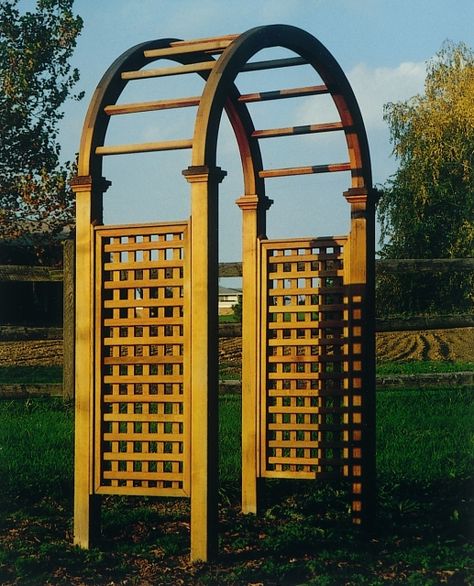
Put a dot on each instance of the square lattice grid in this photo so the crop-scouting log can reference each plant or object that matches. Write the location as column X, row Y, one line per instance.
column 303, row 358
column 141, row 395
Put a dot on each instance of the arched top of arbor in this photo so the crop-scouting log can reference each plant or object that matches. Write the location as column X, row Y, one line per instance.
column 219, row 61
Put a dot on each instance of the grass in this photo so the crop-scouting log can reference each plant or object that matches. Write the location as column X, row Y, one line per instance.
column 30, row 374
column 53, row 374
column 423, row 367
column 303, row 536
column 228, row 319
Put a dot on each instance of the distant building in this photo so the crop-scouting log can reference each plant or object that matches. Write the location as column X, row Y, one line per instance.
column 227, row 299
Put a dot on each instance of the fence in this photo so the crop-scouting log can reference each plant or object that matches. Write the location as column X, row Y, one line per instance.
column 15, row 273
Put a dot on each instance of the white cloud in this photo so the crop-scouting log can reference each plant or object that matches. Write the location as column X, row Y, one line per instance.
column 374, row 87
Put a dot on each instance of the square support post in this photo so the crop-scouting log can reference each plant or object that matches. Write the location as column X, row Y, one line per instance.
column 253, row 214
column 86, row 504
column 359, row 278
column 204, row 359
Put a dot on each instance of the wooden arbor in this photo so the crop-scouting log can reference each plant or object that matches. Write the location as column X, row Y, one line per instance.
column 146, row 358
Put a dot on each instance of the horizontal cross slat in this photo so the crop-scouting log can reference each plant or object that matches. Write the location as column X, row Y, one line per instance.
column 211, row 46
column 132, row 246
column 165, row 71
column 147, row 321
column 166, row 476
column 297, row 92
column 137, row 107
column 302, row 475
column 144, row 491
column 137, row 283
column 144, row 418
column 156, row 437
column 145, row 147
column 162, row 378
column 158, row 398
column 274, row 64
column 144, row 340
column 152, row 359
column 298, row 130
column 297, row 308
column 229, row 37
column 144, row 456
column 137, row 303
column 307, row 170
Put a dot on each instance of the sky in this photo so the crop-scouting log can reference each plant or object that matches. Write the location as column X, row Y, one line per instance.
column 382, row 46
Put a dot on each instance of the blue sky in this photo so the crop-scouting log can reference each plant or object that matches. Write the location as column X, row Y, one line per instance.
column 382, row 45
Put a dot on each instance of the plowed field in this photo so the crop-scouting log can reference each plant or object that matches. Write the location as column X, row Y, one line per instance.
column 454, row 344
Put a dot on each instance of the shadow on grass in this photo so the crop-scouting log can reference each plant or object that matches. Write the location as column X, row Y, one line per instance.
column 303, row 536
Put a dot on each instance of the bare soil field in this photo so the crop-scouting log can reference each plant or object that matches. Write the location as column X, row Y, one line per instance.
column 454, row 345
column 31, row 353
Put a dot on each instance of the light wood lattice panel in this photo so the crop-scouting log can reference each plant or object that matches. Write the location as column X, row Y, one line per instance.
column 142, row 399
column 303, row 357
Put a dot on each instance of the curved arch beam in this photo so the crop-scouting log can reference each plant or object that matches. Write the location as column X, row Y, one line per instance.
column 111, row 86
column 231, row 63
column 107, row 92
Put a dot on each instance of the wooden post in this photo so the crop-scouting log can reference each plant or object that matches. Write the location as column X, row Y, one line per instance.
column 69, row 271
column 360, row 399
column 249, row 204
column 86, row 504
column 204, row 359
column 253, row 222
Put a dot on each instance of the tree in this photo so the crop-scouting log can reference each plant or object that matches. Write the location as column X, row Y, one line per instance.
column 35, row 81
column 427, row 207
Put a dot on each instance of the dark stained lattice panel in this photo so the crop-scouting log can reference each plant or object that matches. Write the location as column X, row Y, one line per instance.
column 303, row 348
column 142, row 400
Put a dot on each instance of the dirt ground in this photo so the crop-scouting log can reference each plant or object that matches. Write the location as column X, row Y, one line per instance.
column 454, row 344
column 32, row 353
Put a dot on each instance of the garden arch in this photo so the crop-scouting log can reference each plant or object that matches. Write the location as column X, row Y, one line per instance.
column 146, row 322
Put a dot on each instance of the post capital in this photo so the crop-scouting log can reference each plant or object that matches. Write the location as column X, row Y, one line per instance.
column 82, row 183
column 202, row 173
column 249, row 201
column 356, row 195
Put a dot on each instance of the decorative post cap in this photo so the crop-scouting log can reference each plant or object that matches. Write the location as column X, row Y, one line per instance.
column 198, row 173
column 252, row 201
column 86, row 183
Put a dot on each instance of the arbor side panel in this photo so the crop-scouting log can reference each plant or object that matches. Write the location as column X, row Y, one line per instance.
column 142, row 434
column 303, row 373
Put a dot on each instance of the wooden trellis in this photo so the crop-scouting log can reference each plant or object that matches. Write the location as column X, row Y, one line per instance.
column 142, row 390
column 146, row 318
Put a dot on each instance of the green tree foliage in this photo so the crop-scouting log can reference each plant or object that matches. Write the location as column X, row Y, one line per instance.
column 427, row 208
column 35, row 81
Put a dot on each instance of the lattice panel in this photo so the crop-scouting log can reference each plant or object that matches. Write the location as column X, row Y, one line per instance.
column 142, row 399
column 303, row 349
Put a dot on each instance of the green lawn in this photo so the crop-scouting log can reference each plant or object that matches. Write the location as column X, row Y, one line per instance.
column 53, row 374
column 423, row 367
column 30, row 374
column 425, row 454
